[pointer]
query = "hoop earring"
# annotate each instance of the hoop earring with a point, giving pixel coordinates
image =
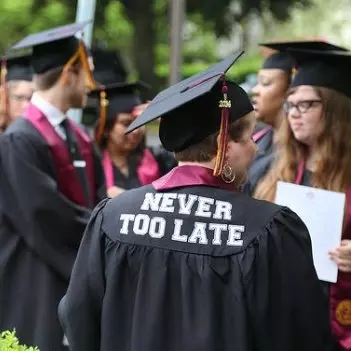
(228, 175)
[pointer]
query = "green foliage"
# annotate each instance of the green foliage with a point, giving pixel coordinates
(22, 17)
(333, 22)
(55, 13)
(247, 65)
(15, 16)
(117, 31)
(9, 342)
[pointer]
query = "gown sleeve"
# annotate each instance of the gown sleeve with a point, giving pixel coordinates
(33, 208)
(285, 301)
(80, 310)
(100, 184)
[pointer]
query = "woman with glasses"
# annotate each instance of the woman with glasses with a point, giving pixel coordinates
(314, 149)
(274, 79)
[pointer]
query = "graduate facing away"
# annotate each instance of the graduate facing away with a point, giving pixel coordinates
(187, 262)
(48, 186)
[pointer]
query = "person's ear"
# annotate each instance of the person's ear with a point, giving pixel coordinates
(65, 76)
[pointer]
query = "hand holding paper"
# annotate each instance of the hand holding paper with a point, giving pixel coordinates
(342, 256)
(322, 211)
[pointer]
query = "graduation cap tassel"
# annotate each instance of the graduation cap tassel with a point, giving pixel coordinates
(224, 105)
(81, 53)
(3, 90)
(102, 120)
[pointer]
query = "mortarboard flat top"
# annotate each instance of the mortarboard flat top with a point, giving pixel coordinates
(109, 66)
(120, 88)
(328, 69)
(121, 97)
(52, 48)
(50, 35)
(19, 68)
(189, 110)
(302, 45)
(282, 59)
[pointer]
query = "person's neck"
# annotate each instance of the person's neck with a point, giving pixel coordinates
(274, 120)
(119, 159)
(311, 158)
(55, 98)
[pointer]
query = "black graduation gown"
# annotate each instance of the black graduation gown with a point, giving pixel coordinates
(139, 288)
(263, 159)
(165, 161)
(40, 233)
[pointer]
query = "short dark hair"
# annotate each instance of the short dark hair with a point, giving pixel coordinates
(206, 150)
(48, 79)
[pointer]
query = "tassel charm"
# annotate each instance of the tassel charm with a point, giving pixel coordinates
(224, 105)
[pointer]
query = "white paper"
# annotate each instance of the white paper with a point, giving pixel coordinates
(322, 211)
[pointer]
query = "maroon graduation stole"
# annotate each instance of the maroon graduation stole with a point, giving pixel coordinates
(340, 292)
(67, 177)
(256, 137)
(148, 169)
(191, 175)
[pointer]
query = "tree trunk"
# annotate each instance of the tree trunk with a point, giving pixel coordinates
(143, 18)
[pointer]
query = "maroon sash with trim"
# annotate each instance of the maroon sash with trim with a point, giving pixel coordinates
(256, 137)
(67, 177)
(340, 292)
(148, 169)
(191, 175)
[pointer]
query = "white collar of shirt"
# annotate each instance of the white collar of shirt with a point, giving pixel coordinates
(52, 113)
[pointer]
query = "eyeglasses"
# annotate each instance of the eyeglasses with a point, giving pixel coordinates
(20, 98)
(301, 106)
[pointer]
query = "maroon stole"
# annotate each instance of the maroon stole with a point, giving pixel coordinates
(256, 137)
(148, 169)
(67, 177)
(190, 175)
(340, 292)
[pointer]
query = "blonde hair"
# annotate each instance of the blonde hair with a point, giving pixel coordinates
(333, 147)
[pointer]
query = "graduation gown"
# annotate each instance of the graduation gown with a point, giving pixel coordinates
(188, 264)
(144, 167)
(263, 136)
(40, 232)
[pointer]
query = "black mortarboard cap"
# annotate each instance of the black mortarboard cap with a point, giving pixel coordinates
(328, 69)
(52, 48)
(283, 60)
(190, 111)
(121, 97)
(108, 66)
(113, 99)
(19, 68)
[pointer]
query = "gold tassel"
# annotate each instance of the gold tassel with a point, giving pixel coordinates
(102, 118)
(4, 108)
(81, 54)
